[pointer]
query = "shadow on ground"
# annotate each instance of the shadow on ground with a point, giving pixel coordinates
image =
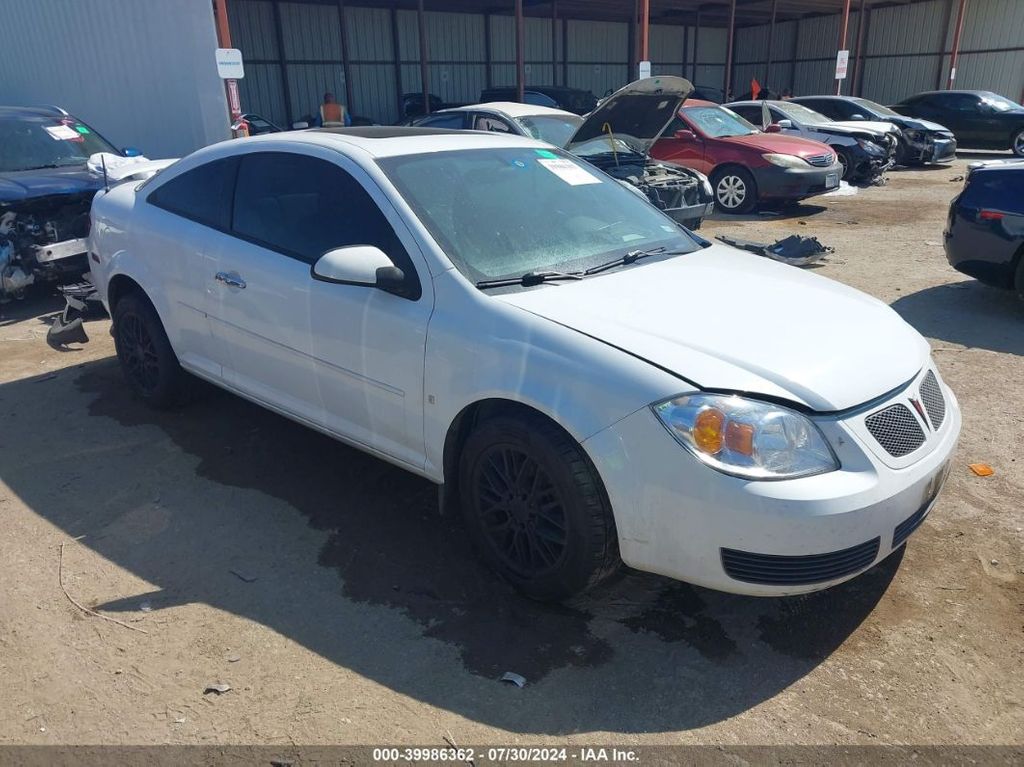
(642, 654)
(967, 313)
(770, 212)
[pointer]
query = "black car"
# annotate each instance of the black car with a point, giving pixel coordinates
(555, 96)
(980, 119)
(984, 235)
(920, 141)
(46, 190)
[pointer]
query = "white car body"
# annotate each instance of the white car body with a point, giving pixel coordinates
(391, 376)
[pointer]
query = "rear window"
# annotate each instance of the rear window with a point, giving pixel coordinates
(1003, 190)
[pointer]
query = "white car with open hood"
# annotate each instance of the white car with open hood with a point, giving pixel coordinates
(589, 381)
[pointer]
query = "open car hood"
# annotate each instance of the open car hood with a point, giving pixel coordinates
(638, 113)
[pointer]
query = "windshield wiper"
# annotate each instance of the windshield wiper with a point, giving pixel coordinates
(530, 279)
(632, 257)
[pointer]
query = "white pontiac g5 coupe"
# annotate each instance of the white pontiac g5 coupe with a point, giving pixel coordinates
(589, 381)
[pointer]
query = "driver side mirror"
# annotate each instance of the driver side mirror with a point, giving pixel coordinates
(300, 125)
(773, 128)
(363, 265)
(857, 116)
(685, 135)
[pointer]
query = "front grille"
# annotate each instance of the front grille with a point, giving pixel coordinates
(781, 570)
(896, 430)
(909, 525)
(934, 402)
(821, 160)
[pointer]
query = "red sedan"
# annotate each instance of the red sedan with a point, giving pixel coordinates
(746, 166)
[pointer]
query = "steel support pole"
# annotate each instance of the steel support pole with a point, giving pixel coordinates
(396, 50)
(771, 44)
(955, 53)
(729, 45)
(421, 22)
(645, 30)
(857, 62)
(696, 47)
(844, 26)
(520, 45)
(554, 42)
(220, 10)
(276, 6)
(345, 64)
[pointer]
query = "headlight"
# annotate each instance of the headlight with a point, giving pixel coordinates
(869, 146)
(705, 182)
(785, 160)
(747, 438)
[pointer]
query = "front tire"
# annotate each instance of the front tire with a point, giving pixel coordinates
(536, 508)
(847, 163)
(1017, 143)
(147, 359)
(1018, 282)
(735, 190)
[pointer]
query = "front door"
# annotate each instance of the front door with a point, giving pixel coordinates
(346, 358)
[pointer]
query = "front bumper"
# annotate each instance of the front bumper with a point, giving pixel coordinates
(775, 183)
(691, 213)
(931, 149)
(679, 518)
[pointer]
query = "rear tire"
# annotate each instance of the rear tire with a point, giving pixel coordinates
(735, 190)
(147, 359)
(536, 508)
(1018, 282)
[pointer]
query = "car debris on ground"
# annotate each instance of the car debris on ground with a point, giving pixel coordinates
(795, 250)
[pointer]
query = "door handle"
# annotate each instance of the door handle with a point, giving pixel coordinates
(230, 279)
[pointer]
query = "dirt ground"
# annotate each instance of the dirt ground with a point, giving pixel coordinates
(324, 588)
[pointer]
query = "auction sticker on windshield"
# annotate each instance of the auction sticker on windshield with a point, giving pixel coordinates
(61, 132)
(570, 172)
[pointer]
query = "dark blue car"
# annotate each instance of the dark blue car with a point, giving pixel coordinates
(45, 194)
(984, 235)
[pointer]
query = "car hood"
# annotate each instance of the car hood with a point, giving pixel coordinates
(638, 113)
(22, 185)
(779, 143)
(863, 126)
(726, 320)
(914, 123)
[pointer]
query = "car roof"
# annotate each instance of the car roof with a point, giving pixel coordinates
(39, 111)
(511, 109)
(752, 103)
(390, 141)
(699, 103)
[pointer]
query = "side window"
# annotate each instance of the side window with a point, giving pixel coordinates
(954, 101)
(453, 120)
(202, 194)
(303, 206)
(750, 114)
(488, 123)
(1003, 190)
(834, 110)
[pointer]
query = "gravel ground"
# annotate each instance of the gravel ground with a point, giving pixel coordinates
(323, 587)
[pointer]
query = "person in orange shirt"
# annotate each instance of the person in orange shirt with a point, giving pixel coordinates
(333, 114)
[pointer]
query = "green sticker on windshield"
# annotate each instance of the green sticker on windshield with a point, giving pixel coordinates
(81, 129)
(546, 154)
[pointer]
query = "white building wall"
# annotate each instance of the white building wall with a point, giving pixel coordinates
(156, 88)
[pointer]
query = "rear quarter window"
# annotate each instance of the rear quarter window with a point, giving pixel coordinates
(202, 194)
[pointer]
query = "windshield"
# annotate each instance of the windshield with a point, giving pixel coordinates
(30, 142)
(876, 108)
(999, 103)
(553, 129)
(504, 212)
(800, 114)
(718, 122)
(605, 145)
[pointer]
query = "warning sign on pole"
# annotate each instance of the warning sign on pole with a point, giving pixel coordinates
(842, 60)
